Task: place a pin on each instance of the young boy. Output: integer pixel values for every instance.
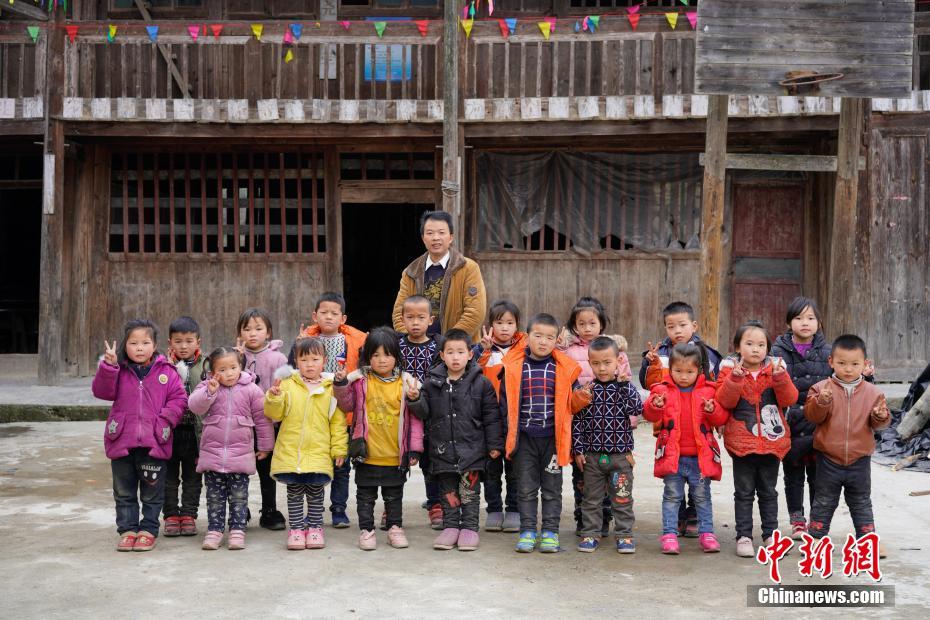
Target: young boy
(462, 416)
(602, 441)
(537, 399)
(846, 409)
(343, 343)
(418, 350)
(184, 352)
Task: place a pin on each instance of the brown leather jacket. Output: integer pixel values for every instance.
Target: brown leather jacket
(844, 427)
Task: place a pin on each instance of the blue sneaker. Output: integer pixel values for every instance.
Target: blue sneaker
(588, 545)
(527, 542)
(340, 520)
(626, 545)
(549, 542)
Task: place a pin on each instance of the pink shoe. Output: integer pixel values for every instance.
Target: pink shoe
(709, 543)
(669, 544)
(296, 540)
(315, 538)
(236, 540)
(397, 538)
(446, 539)
(212, 541)
(367, 540)
(468, 540)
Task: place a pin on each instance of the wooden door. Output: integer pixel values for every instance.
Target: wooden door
(768, 245)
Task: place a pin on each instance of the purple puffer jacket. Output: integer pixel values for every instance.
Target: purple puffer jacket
(261, 365)
(143, 412)
(229, 418)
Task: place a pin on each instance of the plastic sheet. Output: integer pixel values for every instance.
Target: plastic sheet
(889, 449)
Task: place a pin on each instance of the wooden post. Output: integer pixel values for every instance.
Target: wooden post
(845, 199)
(712, 208)
(331, 175)
(51, 263)
(451, 136)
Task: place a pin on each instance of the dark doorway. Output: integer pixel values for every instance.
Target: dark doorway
(20, 247)
(378, 241)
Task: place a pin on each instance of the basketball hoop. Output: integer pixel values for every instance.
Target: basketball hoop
(801, 82)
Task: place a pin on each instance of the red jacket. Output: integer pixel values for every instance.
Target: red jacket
(667, 421)
(757, 407)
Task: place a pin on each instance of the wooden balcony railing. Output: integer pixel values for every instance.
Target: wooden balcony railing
(22, 77)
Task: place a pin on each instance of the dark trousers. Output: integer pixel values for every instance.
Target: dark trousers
(610, 477)
(339, 490)
(222, 489)
(365, 498)
(755, 475)
(537, 469)
(500, 470)
(433, 490)
(182, 474)
(855, 482)
(138, 478)
(460, 497)
(578, 485)
(268, 485)
(795, 472)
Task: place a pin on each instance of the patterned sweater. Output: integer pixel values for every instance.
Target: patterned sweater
(418, 358)
(604, 425)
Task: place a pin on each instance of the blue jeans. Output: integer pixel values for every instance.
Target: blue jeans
(339, 490)
(138, 479)
(699, 490)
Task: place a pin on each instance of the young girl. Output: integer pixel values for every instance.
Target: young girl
(148, 401)
(684, 412)
(233, 422)
(805, 352)
(386, 440)
(312, 436)
(501, 336)
(262, 357)
(755, 389)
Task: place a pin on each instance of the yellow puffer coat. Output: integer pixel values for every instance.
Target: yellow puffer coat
(313, 429)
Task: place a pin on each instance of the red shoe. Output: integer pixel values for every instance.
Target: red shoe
(188, 526)
(798, 529)
(126, 541)
(435, 517)
(144, 542)
(172, 526)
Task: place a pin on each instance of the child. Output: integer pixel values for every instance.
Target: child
(312, 437)
(537, 399)
(755, 389)
(462, 418)
(680, 327)
(184, 353)
(342, 343)
(148, 399)
(262, 358)
(602, 440)
(501, 338)
(806, 354)
(385, 439)
(233, 422)
(587, 321)
(846, 410)
(418, 350)
(684, 413)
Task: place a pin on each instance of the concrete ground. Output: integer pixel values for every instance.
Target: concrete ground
(57, 537)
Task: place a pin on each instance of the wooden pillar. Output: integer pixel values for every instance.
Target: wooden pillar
(331, 175)
(452, 142)
(845, 200)
(712, 209)
(51, 353)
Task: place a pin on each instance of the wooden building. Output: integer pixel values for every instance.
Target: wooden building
(205, 175)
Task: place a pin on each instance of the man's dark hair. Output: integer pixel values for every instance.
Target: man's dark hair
(678, 307)
(437, 216)
(455, 335)
(849, 342)
(333, 297)
(603, 343)
(183, 325)
(542, 318)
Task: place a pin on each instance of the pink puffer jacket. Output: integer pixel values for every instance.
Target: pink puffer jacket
(577, 349)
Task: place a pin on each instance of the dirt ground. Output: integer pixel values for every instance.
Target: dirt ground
(57, 536)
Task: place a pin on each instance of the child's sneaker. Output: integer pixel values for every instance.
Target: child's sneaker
(446, 539)
(340, 520)
(212, 541)
(315, 539)
(708, 542)
(188, 526)
(172, 526)
(271, 520)
(468, 540)
(296, 540)
(548, 542)
(626, 545)
(367, 540)
(588, 544)
(798, 529)
(511, 522)
(744, 548)
(527, 542)
(435, 517)
(144, 542)
(669, 544)
(397, 538)
(494, 522)
(236, 540)
(127, 541)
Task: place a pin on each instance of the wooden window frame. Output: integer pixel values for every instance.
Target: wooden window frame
(401, 11)
(158, 12)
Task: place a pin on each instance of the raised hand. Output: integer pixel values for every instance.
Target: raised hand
(413, 392)
(778, 368)
(109, 352)
(340, 461)
(869, 369)
(275, 388)
(340, 374)
(240, 346)
(658, 401)
(486, 340)
(588, 388)
(708, 405)
(652, 354)
(738, 370)
(825, 397)
(564, 337)
(213, 384)
(172, 355)
(880, 410)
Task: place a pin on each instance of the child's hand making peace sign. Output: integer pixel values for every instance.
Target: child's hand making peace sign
(109, 353)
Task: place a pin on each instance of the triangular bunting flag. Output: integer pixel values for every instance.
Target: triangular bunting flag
(153, 33)
(257, 30)
(33, 32)
(551, 21)
(634, 19)
(111, 33)
(194, 31)
(466, 26)
(289, 56)
(216, 29)
(204, 31)
(471, 10)
(684, 2)
(692, 18)
(465, 12)
(505, 31)
(345, 25)
(594, 22)
(633, 9)
(296, 30)
(545, 28)
(672, 19)
(287, 37)
(511, 24)
(422, 26)
(490, 7)
(578, 25)
(379, 28)
(72, 30)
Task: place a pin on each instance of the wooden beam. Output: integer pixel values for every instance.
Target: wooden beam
(845, 200)
(25, 9)
(799, 163)
(331, 174)
(182, 83)
(452, 137)
(712, 210)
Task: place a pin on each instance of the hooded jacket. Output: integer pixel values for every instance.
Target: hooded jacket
(665, 347)
(844, 427)
(262, 364)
